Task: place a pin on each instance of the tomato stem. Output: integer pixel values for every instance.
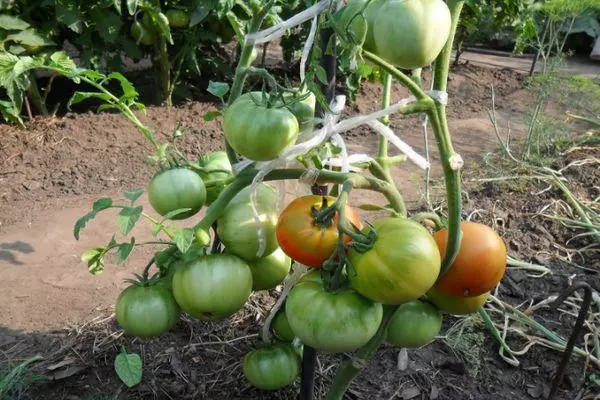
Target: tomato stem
(382, 154)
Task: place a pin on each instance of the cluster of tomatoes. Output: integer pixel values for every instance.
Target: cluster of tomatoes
(400, 266)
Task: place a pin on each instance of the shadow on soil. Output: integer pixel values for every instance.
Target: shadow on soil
(9, 251)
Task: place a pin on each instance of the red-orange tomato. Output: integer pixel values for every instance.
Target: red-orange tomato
(302, 239)
(479, 265)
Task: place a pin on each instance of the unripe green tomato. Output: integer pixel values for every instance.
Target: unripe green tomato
(142, 34)
(239, 230)
(213, 286)
(456, 305)
(281, 327)
(175, 189)
(270, 271)
(146, 311)
(414, 324)
(411, 33)
(272, 367)
(178, 18)
(216, 167)
(256, 131)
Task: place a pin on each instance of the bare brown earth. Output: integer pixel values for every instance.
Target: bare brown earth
(51, 172)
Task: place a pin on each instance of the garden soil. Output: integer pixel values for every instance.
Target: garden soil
(51, 172)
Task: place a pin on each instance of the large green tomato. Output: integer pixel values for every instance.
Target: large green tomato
(402, 265)
(414, 324)
(213, 286)
(238, 229)
(272, 367)
(270, 271)
(147, 311)
(411, 33)
(176, 189)
(216, 167)
(336, 322)
(257, 132)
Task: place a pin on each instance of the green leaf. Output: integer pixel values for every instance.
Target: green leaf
(184, 237)
(163, 24)
(129, 368)
(117, 4)
(12, 23)
(68, 14)
(62, 60)
(94, 259)
(321, 74)
(200, 12)
(128, 218)
(133, 195)
(108, 24)
(26, 64)
(132, 6)
(29, 37)
(125, 250)
(218, 89)
(99, 205)
(129, 91)
(102, 204)
(9, 113)
(209, 116)
(78, 97)
(173, 213)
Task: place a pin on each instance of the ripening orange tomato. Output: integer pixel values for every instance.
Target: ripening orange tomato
(479, 265)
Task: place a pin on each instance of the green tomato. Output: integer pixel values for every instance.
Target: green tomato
(216, 167)
(281, 327)
(270, 271)
(147, 311)
(303, 110)
(411, 33)
(176, 189)
(213, 286)
(178, 18)
(142, 34)
(352, 23)
(257, 132)
(334, 322)
(356, 25)
(238, 229)
(402, 265)
(414, 324)
(272, 367)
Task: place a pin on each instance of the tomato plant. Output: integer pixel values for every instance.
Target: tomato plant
(302, 237)
(177, 189)
(212, 287)
(214, 167)
(259, 131)
(146, 310)
(479, 265)
(414, 324)
(334, 322)
(270, 271)
(402, 264)
(272, 367)
(239, 230)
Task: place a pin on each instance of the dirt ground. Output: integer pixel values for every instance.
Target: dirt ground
(51, 173)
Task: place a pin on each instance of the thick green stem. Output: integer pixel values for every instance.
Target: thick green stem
(350, 369)
(33, 92)
(439, 123)
(165, 70)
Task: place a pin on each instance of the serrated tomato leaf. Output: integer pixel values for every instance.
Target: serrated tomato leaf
(133, 194)
(128, 217)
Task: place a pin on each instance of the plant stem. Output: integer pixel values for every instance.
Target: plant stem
(165, 70)
(382, 154)
(439, 124)
(404, 79)
(33, 93)
(350, 369)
